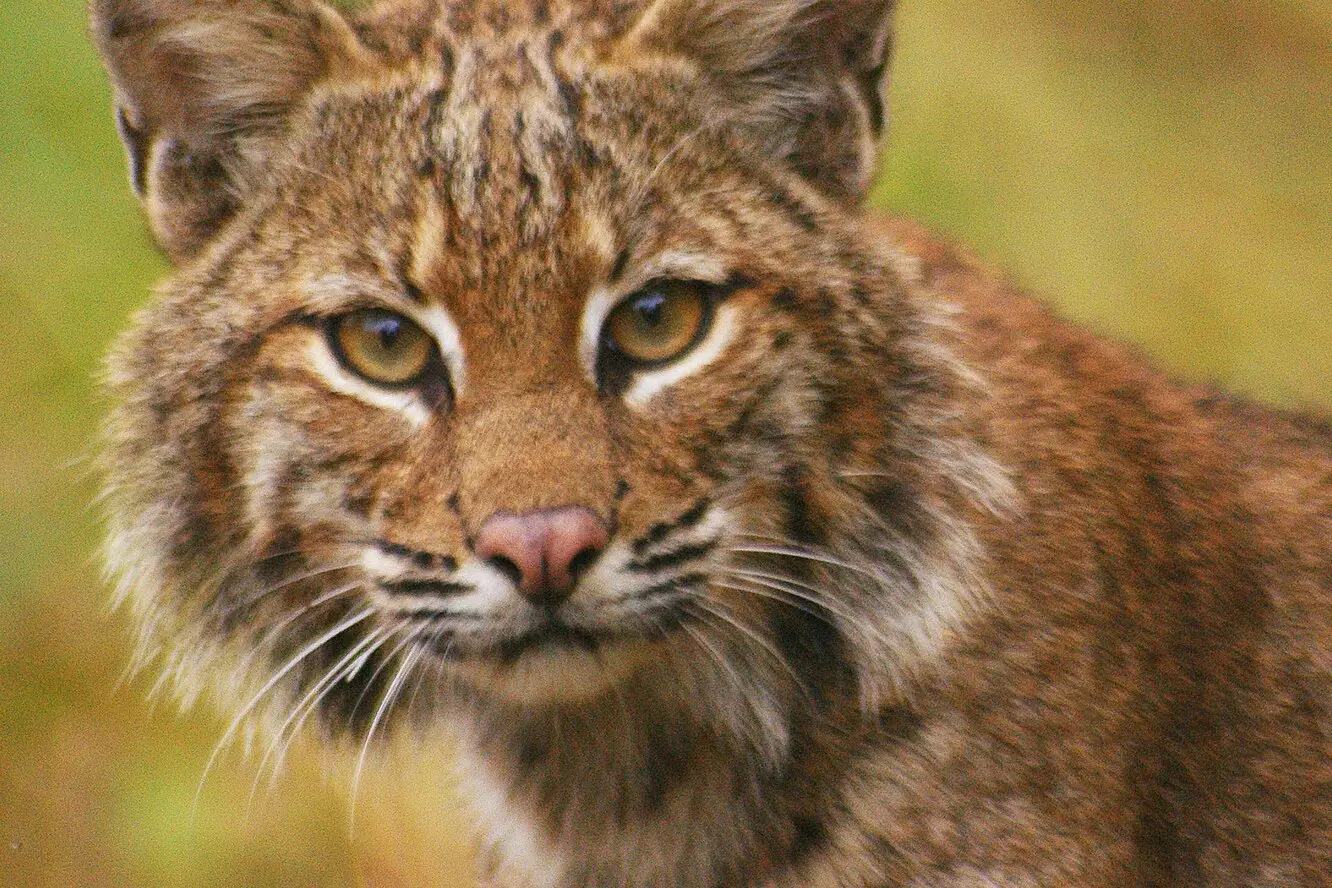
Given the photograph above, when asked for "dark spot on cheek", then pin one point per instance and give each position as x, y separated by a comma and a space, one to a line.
190, 538
898, 501
784, 299
358, 503
533, 749
899, 723
799, 518
809, 835
827, 304
622, 488
621, 261
531, 186
668, 768
781, 341
841, 447
808, 640
738, 281
453, 504
427, 168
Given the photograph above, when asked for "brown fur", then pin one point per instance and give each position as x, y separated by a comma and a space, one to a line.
911, 583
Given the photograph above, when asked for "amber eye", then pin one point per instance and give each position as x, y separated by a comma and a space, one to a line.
384, 347
659, 323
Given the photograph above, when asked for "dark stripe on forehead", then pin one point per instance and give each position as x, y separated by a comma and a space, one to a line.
573, 103
779, 195
505, 137
412, 291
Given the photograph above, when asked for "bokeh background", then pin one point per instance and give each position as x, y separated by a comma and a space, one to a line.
1160, 169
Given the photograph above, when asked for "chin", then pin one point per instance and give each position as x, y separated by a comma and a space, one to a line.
555, 674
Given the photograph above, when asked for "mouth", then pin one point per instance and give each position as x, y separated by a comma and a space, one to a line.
552, 634
552, 656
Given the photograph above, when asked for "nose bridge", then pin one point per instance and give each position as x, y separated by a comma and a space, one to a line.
531, 450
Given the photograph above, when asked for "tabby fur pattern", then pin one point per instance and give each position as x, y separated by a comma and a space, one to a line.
909, 582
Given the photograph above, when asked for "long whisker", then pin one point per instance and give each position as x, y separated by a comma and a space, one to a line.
811, 605
272, 682
253, 597
408, 663
426, 646
286, 622
803, 554
818, 598
730, 619
231, 569
342, 669
379, 670
714, 653
822, 599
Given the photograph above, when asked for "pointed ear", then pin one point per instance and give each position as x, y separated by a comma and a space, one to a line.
203, 90
806, 77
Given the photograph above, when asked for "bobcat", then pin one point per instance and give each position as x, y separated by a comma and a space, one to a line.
531, 365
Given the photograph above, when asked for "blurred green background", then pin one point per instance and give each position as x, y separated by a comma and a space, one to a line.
1160, 169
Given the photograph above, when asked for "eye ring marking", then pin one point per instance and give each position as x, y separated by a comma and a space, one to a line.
382, 347
656, 326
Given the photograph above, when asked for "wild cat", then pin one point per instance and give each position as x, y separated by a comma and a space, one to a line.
532, 365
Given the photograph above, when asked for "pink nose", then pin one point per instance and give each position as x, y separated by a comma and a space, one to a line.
545, 549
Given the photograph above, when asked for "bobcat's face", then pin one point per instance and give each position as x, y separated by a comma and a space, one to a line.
520, 349
582, 340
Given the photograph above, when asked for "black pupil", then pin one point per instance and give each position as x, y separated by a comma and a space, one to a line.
650, 309
387, 331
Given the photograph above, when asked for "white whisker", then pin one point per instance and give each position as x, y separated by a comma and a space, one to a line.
408, 663
804, 554
819, 598
291, 664
338, 671
762, 644
254, 597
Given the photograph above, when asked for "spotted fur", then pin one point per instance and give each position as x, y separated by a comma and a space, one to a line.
909, 583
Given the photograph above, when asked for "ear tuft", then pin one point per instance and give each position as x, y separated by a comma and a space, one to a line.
806, 76
202, 87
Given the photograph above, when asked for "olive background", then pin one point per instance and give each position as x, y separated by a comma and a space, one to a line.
1159, 169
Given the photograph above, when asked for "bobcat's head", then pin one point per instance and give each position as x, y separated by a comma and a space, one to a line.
527, 350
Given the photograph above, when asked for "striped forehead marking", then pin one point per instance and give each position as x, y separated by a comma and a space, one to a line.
504, 132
